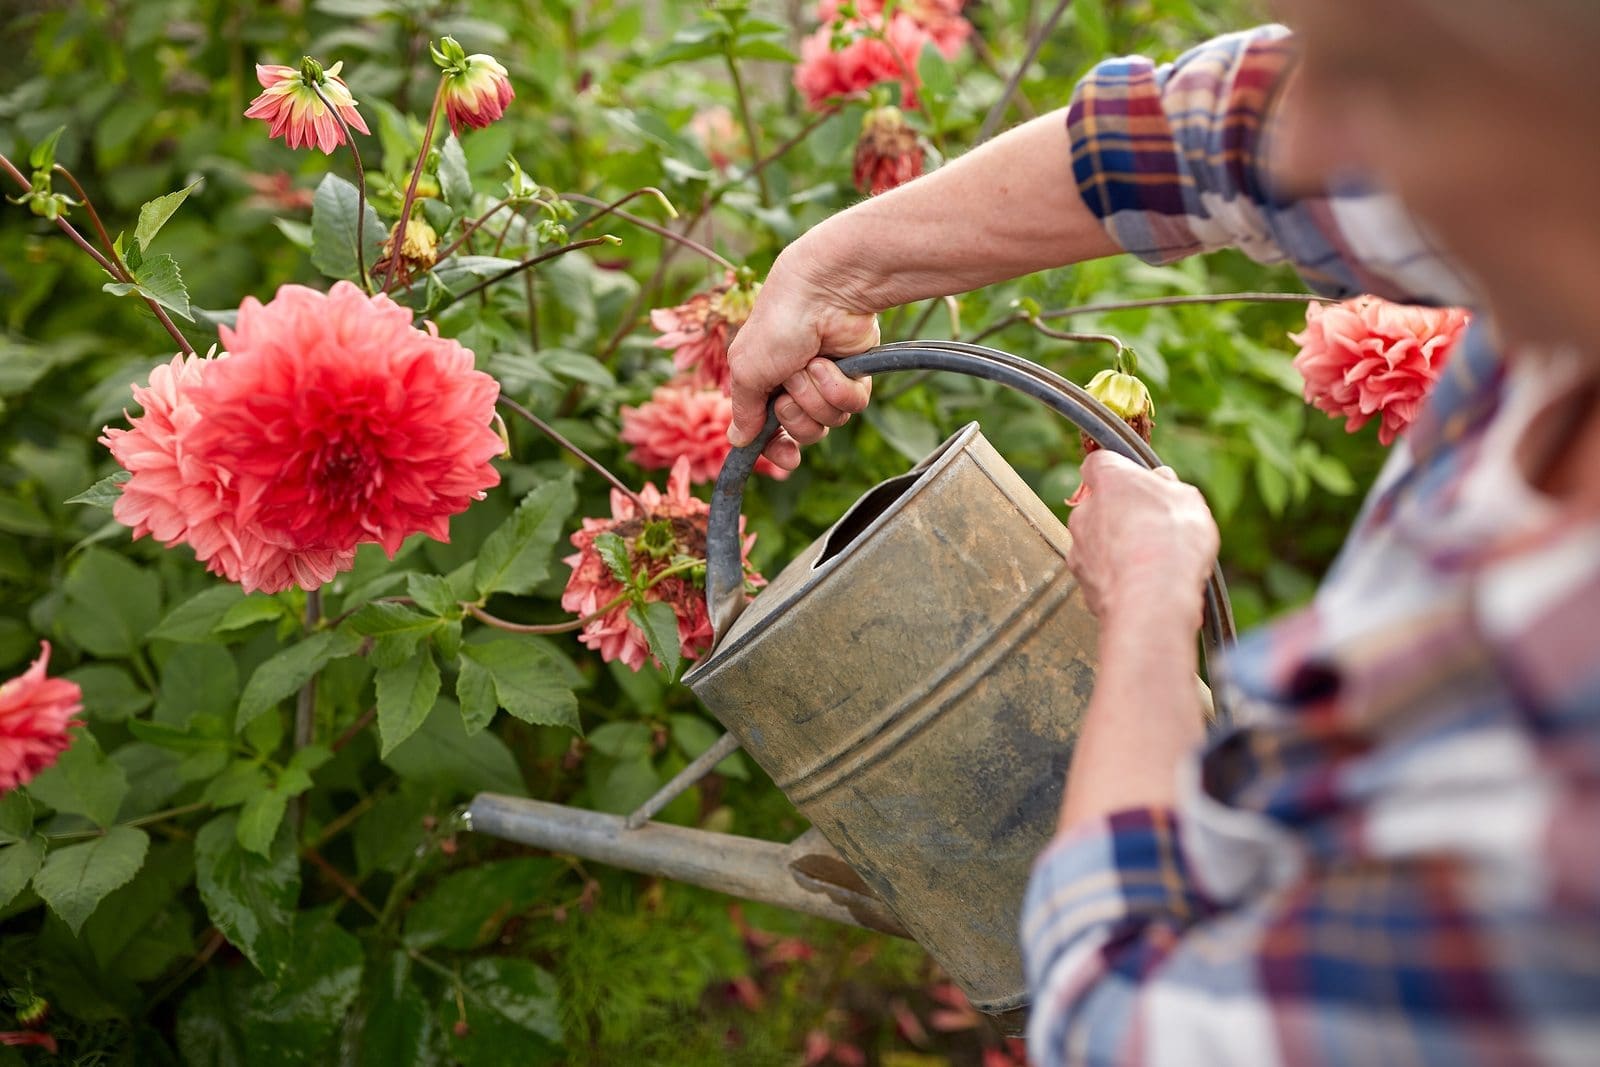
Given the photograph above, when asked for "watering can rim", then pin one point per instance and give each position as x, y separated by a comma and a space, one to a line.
737, 636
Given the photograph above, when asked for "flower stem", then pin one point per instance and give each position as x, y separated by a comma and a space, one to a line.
531, 261
783, 149
555, 435
991, 121
361, 194
607, 207
416, 176
471, 228
1081, 338
1152, 302
644, 224
749, 125
143, 820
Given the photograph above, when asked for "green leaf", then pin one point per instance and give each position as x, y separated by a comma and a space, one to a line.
624, 785
43, 156
432, 594
251, 899
614, 551
475, 691
16, 817
454, 180
526, 682
935, 73
660, 626
102, 494
197, 617
259, 820
109, 692
467, 908
287, 671
74, 880
762, 48
154, 215
405, 696
242, 780
577, 366
1332, 475
379, 619
514, 1011
246, 613
158, 279
82, 782
398, 1025
197, 679
441, 754
19, 862
622, 740
112, 603
334, 210
516, 557
694, 735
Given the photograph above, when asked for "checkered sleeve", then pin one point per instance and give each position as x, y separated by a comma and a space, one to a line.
1173, 159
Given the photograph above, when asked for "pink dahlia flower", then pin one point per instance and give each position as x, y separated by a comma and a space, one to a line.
878, 52
1367, 357
888, 152
672, 526
683, 422
290, 106
476, 92
719, 136
339, 422
35, 714
698, 331
178, 495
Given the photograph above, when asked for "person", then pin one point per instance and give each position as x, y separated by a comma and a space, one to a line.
1391, 856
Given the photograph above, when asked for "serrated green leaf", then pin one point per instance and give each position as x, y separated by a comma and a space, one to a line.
112, 603
763, 48
577, 366
613, 551
622, 740
102, 494
248, 612
475, 691
622, 785
196, 680
405, 696
526, 682
16, 817
109, 692
467, 908
334, 209
447, 639
441, 754
934, 72
259, 820
154, 214
659, 623
158, 279
82, 782
19, 862
515, 1014
693, 735
243, 779
380, 619
75, 879
197, 617
516, 557
454, 180
432, 594
250, 898
287, 671
398, 1025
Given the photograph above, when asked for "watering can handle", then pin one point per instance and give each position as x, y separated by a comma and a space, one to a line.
724, 567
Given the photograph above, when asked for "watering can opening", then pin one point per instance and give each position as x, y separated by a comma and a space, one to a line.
854, 524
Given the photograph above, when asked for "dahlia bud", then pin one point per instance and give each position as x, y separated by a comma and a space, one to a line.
476, 88
419, 248
34, 1013
888, 152
1127, 397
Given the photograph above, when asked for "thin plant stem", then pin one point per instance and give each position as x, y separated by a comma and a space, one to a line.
143, 820
416, 176
991, 121
783, 149
1080, 338
361, 723
570, 625
531, 261
343, 884
347, 817
361, 197
214, 941
556, 436
607, 208
94, 219
471, 228
1151, 302
645, 224
749, 126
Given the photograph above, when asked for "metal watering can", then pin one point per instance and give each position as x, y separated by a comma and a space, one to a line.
913, 682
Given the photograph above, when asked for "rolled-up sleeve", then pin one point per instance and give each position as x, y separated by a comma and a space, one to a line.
1174, 160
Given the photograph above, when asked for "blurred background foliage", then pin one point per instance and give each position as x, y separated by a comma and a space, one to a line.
479, 952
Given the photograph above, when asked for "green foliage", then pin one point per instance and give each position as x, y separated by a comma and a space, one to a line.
278, 777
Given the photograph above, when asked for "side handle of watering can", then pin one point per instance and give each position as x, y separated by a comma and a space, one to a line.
724, 569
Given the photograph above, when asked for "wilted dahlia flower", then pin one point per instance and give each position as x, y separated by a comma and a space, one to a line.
1368, 357
888, 152
476, 88
671, 528
685, 422
698, 331
290, 106
35, 713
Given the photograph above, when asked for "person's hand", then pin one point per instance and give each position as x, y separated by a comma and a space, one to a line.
796, 320
1143, 543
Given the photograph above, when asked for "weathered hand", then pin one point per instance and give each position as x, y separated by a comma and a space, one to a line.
1143, 543
794, 323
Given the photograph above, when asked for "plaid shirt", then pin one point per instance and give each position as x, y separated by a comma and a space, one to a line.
1394, 857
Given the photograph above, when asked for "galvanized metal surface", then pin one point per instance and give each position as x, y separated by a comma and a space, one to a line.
741, 866
915, 689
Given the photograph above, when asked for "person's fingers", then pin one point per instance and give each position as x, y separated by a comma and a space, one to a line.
799, 424
755, 374
1168, 473
1103, 463
783, 451
845, 393
804, 392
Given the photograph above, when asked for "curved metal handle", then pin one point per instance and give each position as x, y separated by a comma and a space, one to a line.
724, 567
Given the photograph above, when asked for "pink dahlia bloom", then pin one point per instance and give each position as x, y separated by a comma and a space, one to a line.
35, 714
290, 106
476, 93
685, 422
824, 74
719, 136
178, 495
339, 422
698, 331
672, 526
1367, 357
